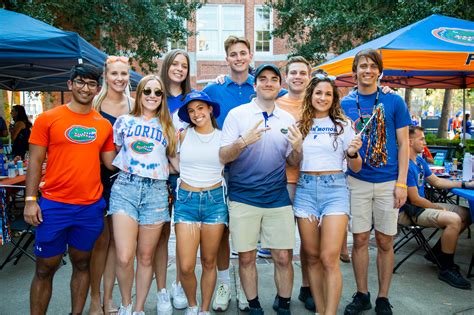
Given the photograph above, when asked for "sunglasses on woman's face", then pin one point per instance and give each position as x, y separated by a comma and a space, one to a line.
148, 91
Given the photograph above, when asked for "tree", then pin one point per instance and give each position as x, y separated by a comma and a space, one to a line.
139, 29
443, 124
317, 28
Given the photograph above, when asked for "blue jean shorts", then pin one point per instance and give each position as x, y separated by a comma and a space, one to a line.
65, 224
143, 199
207, 207
320, 195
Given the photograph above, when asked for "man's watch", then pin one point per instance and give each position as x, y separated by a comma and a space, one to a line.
355, 156
463, 185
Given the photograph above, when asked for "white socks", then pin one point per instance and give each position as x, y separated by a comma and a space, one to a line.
223, 276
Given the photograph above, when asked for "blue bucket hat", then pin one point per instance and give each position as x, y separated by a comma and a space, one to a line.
197, 96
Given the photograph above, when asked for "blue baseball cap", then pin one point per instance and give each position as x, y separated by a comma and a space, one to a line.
197, 96
267, 66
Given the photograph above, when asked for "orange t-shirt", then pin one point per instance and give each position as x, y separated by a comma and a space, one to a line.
74, 143
295, 108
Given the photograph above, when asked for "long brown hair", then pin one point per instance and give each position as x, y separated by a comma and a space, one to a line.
167, 62
162, 113
309, 112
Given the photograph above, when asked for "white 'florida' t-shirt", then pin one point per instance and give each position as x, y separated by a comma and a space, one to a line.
320, 151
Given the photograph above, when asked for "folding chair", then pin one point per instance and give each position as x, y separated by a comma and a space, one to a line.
20, 246
414, 232
469, 273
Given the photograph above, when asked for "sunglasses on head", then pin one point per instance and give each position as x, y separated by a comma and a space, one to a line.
148, 91
111, 59
321, 76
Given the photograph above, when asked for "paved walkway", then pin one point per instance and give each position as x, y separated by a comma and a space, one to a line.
415, 288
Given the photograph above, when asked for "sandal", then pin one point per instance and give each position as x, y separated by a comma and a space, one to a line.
345, 258
111, 308
95, 309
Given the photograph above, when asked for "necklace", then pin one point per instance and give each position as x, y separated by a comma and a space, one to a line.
209, 137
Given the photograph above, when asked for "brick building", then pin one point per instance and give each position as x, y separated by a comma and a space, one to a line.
218, 19
213, 23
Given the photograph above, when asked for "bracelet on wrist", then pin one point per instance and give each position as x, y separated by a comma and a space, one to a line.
401, 185
245, 143
354, 156
30, 198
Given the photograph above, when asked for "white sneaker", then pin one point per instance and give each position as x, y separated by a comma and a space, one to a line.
193, 310
163, 305
204, 313
242, 300
179, 298
222, 299
125, 310
139, 313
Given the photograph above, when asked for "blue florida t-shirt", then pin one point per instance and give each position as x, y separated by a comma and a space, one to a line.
396, 117
417, 174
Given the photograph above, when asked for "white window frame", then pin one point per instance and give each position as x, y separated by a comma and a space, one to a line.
270, 52
220, 54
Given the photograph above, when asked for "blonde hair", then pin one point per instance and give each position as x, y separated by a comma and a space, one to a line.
99, 99
163, 113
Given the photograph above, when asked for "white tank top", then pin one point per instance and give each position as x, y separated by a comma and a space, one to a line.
199, 163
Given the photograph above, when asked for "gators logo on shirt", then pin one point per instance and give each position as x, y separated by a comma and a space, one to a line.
142, 147
80, 134
358, 123
455, 35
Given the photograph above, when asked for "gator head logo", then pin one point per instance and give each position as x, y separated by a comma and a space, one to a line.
81, 134
142, 147
359, 125
455, 35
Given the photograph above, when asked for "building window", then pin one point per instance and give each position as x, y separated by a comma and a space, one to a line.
214, 24
178, 44
263, 28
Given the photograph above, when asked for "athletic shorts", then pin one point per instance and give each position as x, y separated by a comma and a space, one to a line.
65, 224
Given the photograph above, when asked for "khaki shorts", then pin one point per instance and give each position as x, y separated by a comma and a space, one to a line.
372, 204
429, 217
274, 226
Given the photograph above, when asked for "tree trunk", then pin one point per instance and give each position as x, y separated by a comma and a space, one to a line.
443, 123
408, 98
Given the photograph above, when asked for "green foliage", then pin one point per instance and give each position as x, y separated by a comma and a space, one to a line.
469, 146
140, 29
319, 27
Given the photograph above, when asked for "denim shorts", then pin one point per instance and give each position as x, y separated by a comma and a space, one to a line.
320, 195
143, 199
207, 207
